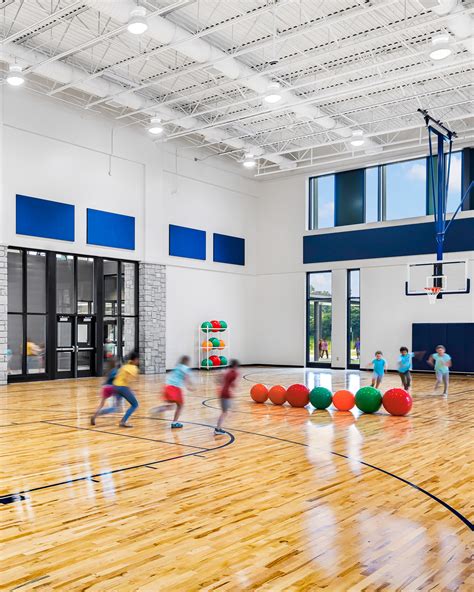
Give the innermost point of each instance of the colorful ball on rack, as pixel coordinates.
(343, 400)
(207, 363)
(223, 325)
(368, 399)
(215, 360)
(216, 326)
(277, 394)
(206, 344)
(215, 342)
(206, 326)
(397, 401)
(259, 393)
(320, 397)
(224, 360)
(221, 344)
(297, 395)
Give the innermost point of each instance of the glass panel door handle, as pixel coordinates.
(66, 349)
(87, 348)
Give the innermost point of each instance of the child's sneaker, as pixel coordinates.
(176, 424)
(219, 432)
(92, 420)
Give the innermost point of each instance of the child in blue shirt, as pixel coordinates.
(404, 367)
(379, 369)
(441, 362)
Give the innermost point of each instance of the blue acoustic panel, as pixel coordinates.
(458, 338)
(229, 249)
(392, 241)
(110, 230)
(44, 218)
(187, 242)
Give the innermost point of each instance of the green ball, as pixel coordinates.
(215, 342)
(223, 325)
(207, 363)
(320, 397)
(368, 399)
(205, 326)
(223, 360)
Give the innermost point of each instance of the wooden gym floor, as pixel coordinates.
(285, 501)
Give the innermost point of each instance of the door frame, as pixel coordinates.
(350, 365)
(309, 302)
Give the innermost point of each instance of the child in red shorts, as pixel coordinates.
(108, 391)
(173, 391)
(227, 384)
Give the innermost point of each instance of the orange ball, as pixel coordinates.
(277, 394)
(259, 393)
(343, 400)
(221, 344)
(206, 344)
(297, 395)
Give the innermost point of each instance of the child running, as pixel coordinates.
(404, 367)
(173, 391)
(108, 391)
(227, 384)
(121, 383)
(379, 369)
(441, 362)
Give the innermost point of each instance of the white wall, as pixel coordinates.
(59, 152)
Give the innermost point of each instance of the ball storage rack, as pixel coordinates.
(203, 354)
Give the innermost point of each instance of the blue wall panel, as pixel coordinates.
(393, 241)
(187, 242)
(44, 218)
(110, 230)
(458, 338)
(229, 249)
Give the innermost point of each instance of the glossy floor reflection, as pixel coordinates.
(287, 500)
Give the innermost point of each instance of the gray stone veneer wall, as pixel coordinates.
(3, 315)
(152, 318)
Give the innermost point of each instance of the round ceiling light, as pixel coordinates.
(249, 161)
(155, 128)
(15, 75)
(137, 24)
(273, 95)
(440, 48)
(357, 138)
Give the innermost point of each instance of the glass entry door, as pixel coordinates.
(75, 351)
(319, 319)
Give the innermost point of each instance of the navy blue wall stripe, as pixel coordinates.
(229, 249)
(392, 241)
(187, 242)
(44, 218)
(108, 229)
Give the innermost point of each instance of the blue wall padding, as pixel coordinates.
(458, 339)
(187, 242)
(392, 241)
(44, 218)
(110, 230)
(229, 249)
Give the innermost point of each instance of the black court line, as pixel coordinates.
(466, 521)
(123, 435)
(230, 441)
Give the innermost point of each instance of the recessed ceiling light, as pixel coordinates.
(155, 128)
(357, 138)
(137, 24)
(440, 48)
(15, 75)
(273, 96)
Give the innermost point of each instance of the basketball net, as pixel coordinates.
(432, 293)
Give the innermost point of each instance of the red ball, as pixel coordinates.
(216, 326)
(343, 400)
(297, 395)
(215, 360)
(277, 394)
(259, 393)
(397, 401)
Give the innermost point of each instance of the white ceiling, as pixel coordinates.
(342, 64)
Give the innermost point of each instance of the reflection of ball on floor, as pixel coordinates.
(259, 393)
(368, 399)
(343, 400)
(397, 401)
(297, 395)
(277, 394)
(320, 397)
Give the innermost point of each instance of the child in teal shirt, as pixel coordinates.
(379, 369)
(441, 362)
(404, 367)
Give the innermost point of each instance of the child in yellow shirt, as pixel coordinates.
(127, 374)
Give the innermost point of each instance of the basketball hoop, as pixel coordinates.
(432, 293)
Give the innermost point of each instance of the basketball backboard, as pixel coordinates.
(450, 276)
